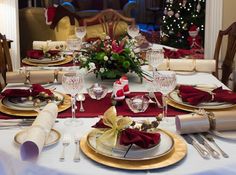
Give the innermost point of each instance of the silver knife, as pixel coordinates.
(201, 151)
(202, 141)
(211, 139)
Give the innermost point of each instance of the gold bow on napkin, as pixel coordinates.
(115, 124)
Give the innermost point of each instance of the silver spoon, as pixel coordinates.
(81, 98)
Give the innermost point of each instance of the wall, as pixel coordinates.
(10, 27)
(229, 16)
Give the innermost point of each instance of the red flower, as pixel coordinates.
(117, 48)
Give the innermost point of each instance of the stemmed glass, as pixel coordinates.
(74, 44)
(72, 83)
(155, 58)
(80, 32)
(165, 82)
(133, 31)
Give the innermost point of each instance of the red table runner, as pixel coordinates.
(93, 108)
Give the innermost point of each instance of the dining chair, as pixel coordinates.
(2, 82)
(109, 19)
(227, 66)
(5, 57)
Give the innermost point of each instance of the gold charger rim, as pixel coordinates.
(37, 61)
(133, 159)
(62, 107)
(217, 107)
(177, 154)
(67, 60)
(192, 109)
(58, 134)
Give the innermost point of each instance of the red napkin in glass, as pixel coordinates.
(168, 53)
(195, 96)
(36, 54)
(34, 91)
(140, 138)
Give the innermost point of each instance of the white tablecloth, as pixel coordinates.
(192, 164)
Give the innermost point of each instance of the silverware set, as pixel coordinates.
(201, 143)
(66, 140)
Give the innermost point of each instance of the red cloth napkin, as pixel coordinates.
(168, 53)
(33, 91)
(39, 54)
(195, 96)
(36, 54)
(140, 138)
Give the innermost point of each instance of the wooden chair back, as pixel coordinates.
(2, 82)
(109, 19)
(227, 66)
(5, 57)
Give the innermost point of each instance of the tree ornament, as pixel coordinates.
(198, 7)
(184, 3)
(170, 13)
(194, 39)
(177, 15)
(165, 12)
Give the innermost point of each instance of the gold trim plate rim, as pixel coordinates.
(67, 60)
(177, 154)
(217, 107)
(192, 109)
(133, 159)
(58, 134)
(62, 107)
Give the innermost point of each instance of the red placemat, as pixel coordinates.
(93, 108)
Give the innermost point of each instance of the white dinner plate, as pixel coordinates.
(53, 138)
(165, 146)
(174, 96)
(46, 60)
(231, 135)
(26, 105)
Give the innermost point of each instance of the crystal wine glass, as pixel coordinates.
(165, 82)
(155, 58)
(74, 44)
(72, 83)
(133, 31)
(80, 32)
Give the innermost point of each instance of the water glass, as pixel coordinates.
(72, 83)
(80, 32)
(155, 58)
(133, 31)
(74, 44)
(165, 82)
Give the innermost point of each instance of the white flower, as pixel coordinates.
(132, 54)
(83, 58)
(105, 58)
(102, 70)
(92, 66)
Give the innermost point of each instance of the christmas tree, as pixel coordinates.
(183, 24)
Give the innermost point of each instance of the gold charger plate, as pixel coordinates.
(62, 107)
(192, 109)
(67, 60)
(177, 154)
(53, 138)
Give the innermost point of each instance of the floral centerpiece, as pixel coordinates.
(112, 58)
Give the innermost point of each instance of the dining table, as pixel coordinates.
(191, 163)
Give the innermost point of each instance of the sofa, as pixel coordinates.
(88, 8)
(33, 27)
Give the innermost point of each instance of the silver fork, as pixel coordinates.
(65, 142)
(77, 149)
(152, 95)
